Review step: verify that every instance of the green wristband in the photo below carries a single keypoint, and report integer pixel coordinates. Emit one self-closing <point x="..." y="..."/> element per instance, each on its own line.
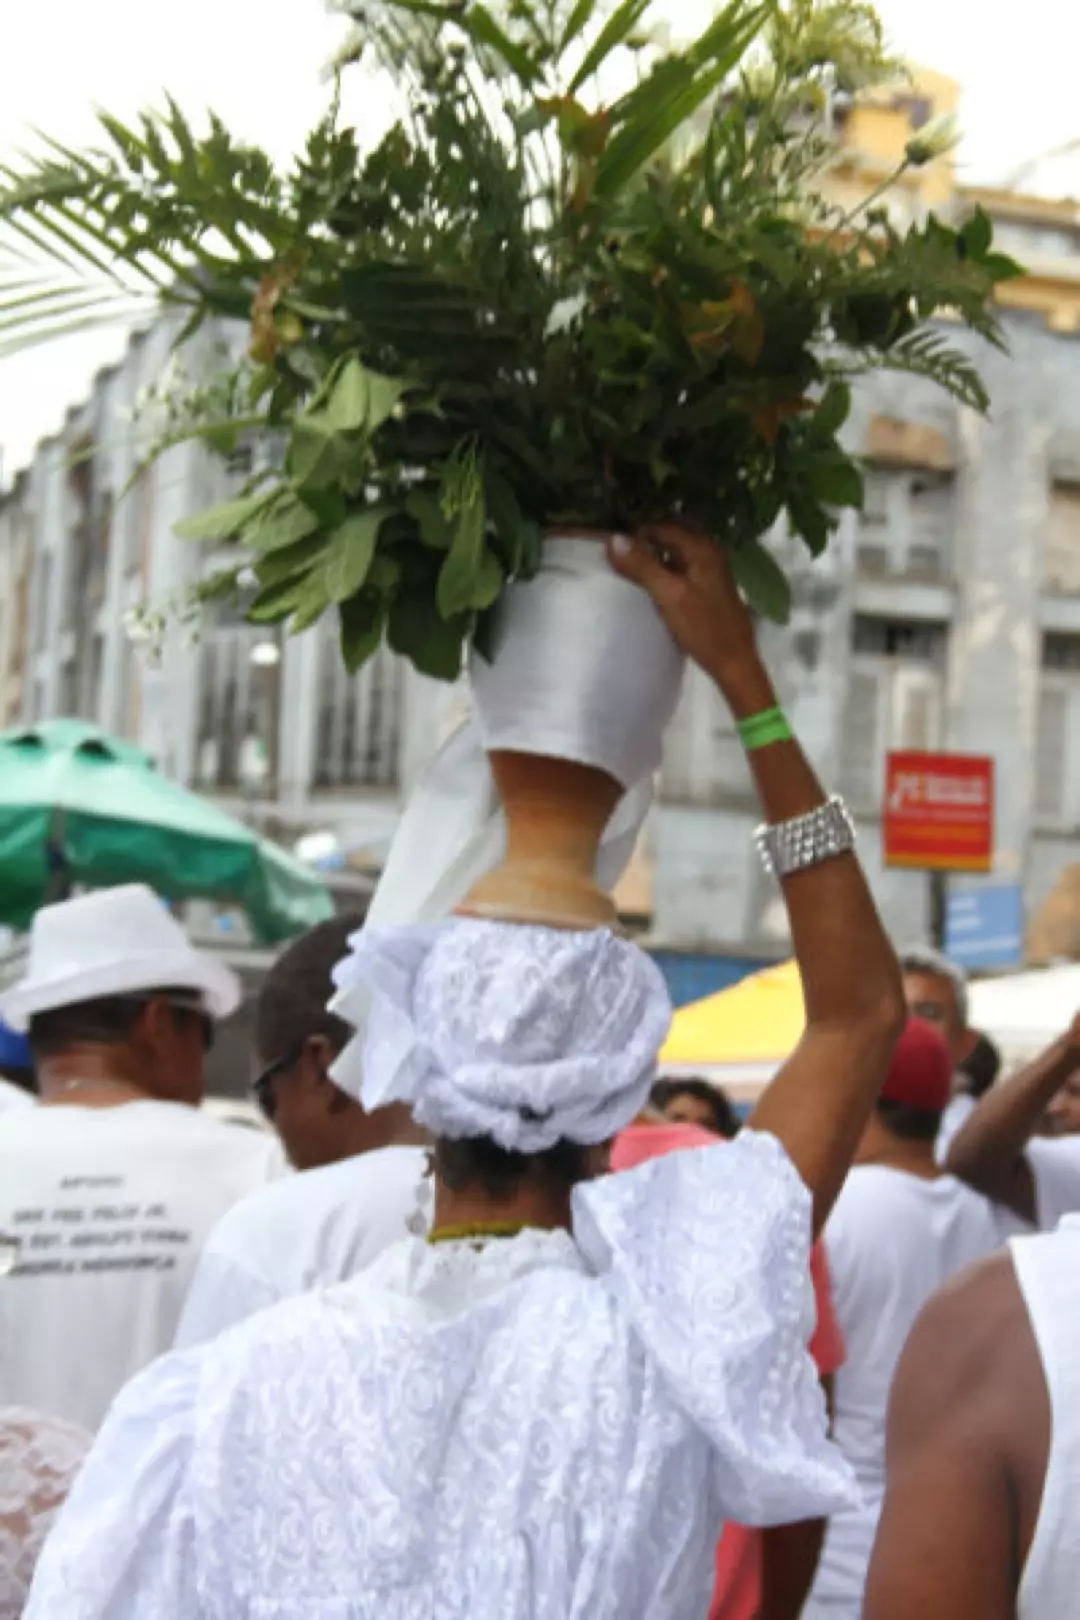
<point x="759" y="730"/>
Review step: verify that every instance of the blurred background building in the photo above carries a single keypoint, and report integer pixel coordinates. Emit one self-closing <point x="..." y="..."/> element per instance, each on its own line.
<point x="946" y="615"/>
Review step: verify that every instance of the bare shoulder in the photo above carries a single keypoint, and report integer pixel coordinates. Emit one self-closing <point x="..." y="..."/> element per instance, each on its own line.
<point x="971" y="1373"/>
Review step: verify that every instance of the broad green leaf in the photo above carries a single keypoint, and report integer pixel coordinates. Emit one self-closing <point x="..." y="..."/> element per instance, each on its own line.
<point x="383" y="396"/>
<point x="226" y="520"/>
<point x="833" y="412"/>
<point x="486" y="636"/>
<point x="977" y="235"/>
<point x="320" y="455"/>
<point x="762" y="581"/>
<point x="299" y="558"/>
<point x="425" y="507"/>
<point x="809" y="521"/>
<point x="350" y="552"/>
<point x="619" y="26"/>
<point x="836" y="482"/>
<point x="470" y="579"/>
<point x="287" y="520"/>
<point x="311" y="609"/>
<point x="518" y="537"/>
<point x="276" y="602"/>
<point x="362" y="622"/>
<point x="346" y="407"/>
<point x="417" y="630"/>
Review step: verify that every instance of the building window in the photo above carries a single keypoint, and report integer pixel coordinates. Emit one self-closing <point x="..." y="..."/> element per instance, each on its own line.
<point x="906" y="524"/>
<point x="1061" y="558"/>
<point x="895" y="700"/>
<point x="1057" y="739"/>
<point x="358" y="725"/>
<point x="237" y="704"/>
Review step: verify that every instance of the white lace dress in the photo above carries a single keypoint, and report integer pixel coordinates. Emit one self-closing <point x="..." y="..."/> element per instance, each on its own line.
<point x="39" y="1459"/>
<point x="541" y="1428"/>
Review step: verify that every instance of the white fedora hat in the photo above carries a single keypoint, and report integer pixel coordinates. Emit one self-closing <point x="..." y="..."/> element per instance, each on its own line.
<point x="113" y="942"/>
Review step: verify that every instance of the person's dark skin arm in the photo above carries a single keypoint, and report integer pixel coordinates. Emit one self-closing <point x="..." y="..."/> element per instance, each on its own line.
<point x="988" y="1150"/>
<point x="819" y="1102"/>
<point x="790" y="1554"/>
<point x="969" y="1433"/>
<point x="789" y="1561"/>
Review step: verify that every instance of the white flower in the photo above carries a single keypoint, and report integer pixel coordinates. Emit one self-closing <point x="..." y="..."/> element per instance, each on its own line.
<point x="566" y="313"/>
<point x="934" y="140"/>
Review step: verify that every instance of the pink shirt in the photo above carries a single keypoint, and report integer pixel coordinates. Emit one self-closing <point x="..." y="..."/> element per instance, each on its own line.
<point x="738" y="1558"/>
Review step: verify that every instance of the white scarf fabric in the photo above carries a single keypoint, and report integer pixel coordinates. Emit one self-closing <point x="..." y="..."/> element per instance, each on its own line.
<point x="526" y="1035"/>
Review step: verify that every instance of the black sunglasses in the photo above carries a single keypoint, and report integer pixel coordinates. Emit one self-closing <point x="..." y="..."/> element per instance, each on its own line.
<point x="262" y="1087"/>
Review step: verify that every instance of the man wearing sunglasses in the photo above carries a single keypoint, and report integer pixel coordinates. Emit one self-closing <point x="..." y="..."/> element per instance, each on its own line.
<point x="363" y="1179"/>
<point x="110" y="1186"/>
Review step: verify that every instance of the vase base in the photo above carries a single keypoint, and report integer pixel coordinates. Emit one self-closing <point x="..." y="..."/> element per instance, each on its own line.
<point x="546" y="898"/>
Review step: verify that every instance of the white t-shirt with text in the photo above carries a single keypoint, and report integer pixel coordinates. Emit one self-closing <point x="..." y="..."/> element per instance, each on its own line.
<point x="892" y="1240"/>
<point x="109" y="1209"/>
<point x="313" y="1229"/>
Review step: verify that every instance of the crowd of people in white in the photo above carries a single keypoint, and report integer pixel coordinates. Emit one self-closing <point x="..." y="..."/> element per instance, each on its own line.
<point x="512" y="1344"/>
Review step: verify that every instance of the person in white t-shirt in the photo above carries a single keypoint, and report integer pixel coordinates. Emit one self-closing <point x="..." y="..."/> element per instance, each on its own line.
<point x="899" y="1230"/>
<point x="363" y="1174"/>
<point x="999" y="1154"/>
<point x="109" y="1187"/>
<point x="936" y="990"/>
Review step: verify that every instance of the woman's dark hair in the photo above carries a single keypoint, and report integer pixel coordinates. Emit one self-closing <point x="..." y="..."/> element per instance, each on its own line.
<point x="477" y="1161"/>
<point x="909" y="1124"/>
<point x="726" y="1121"/>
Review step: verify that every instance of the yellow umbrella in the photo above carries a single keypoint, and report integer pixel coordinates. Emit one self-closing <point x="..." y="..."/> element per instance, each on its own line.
<point x="739" y="1037"/>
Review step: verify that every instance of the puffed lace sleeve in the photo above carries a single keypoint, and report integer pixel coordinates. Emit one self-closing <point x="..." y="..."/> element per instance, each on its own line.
<point x="707" y="1252"/>
<point x="123" y="1547"/>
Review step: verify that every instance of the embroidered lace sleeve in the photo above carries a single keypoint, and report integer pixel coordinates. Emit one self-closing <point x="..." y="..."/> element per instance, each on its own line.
<point x="708" y="1254"/>
<point x="124" y="1546"/>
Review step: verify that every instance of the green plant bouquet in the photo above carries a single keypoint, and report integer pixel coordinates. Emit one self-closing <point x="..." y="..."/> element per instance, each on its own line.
<point x="583" y="282"/>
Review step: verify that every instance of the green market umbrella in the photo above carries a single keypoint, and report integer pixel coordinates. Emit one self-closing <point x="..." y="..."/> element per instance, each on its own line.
<point x="76" y="802"/>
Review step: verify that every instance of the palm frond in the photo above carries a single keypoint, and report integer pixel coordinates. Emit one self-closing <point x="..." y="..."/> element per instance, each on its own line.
<point x="931" y="355"/>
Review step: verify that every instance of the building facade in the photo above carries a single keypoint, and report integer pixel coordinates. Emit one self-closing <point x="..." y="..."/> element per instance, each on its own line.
<point x="946" y="615"/>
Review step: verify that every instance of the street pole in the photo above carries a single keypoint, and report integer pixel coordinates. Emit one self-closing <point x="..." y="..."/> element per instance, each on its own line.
<point x="939" y="906"/>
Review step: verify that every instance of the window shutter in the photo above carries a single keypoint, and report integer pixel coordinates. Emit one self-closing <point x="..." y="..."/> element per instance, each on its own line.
<point x="860" y="754"/>
<point x="1050" y="753"/>
<point x="916" y="711"/>
<point x="1061" y="563"/>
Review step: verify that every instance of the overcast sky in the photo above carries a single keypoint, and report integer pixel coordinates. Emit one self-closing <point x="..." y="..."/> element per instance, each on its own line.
<point x="257" y="63"/>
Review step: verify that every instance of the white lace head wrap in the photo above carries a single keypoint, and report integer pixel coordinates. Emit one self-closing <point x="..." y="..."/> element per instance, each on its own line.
<point x="526" y="1035"/>
<point x="39" y="1459"/>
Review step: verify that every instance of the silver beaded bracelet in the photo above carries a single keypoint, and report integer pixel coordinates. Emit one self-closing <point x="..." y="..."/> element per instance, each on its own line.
<point x="805" y="841"/>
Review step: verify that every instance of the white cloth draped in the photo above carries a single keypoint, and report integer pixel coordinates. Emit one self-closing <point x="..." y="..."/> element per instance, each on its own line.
<point x="527" y="1429"/>
<point x="527" y="1035"/>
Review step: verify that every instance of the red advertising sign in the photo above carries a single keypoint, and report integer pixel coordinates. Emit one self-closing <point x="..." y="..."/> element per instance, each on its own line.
<point x="939" y="812"/>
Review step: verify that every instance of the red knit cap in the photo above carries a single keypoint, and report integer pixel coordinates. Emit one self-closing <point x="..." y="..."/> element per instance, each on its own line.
<point x="921" y="1071"/>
